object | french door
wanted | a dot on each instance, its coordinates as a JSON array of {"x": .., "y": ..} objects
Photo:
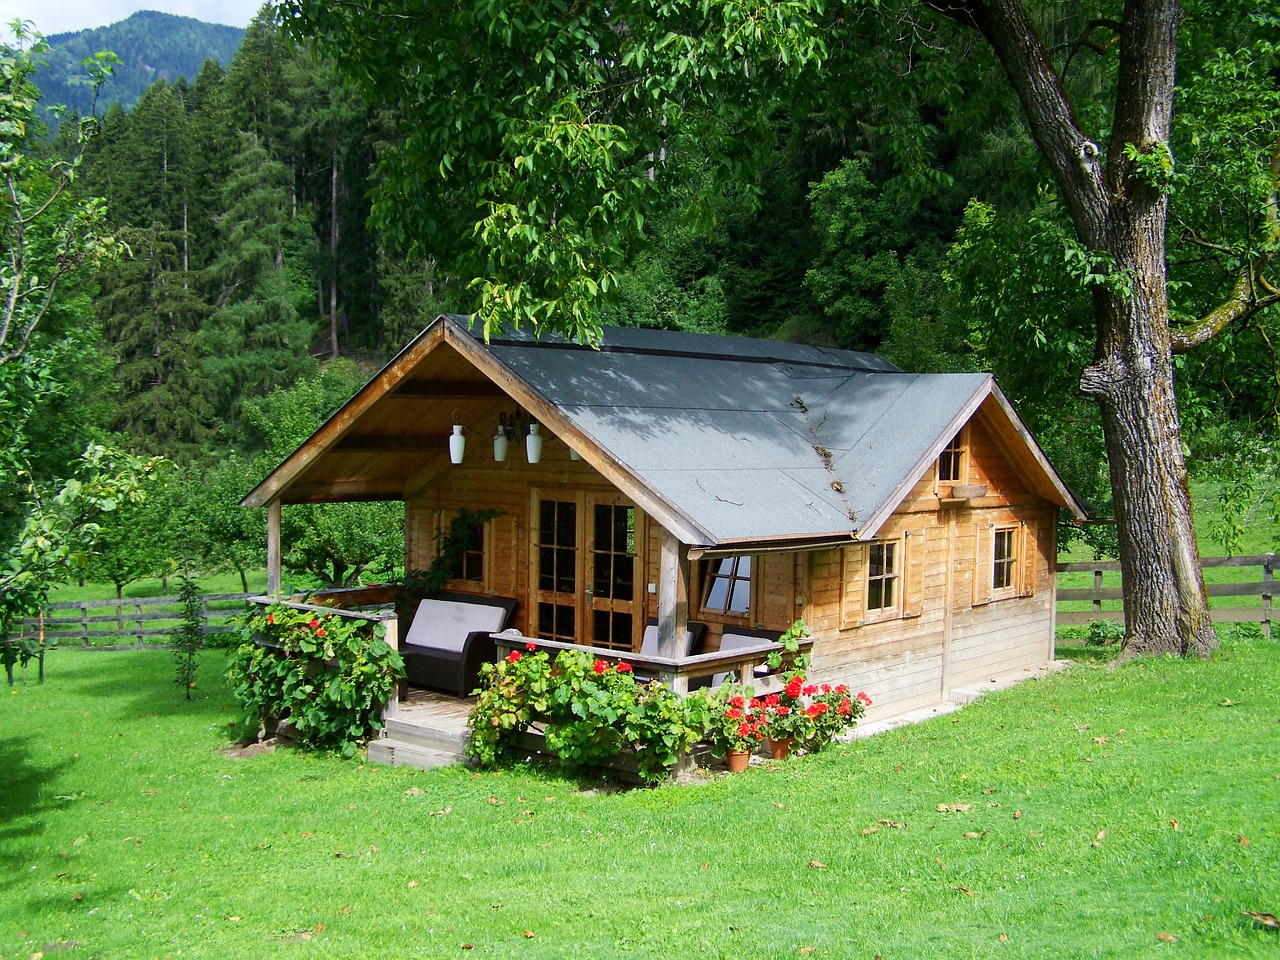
[{"x": 585, "y": 587}]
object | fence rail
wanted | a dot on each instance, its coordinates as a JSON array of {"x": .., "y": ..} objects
[
  {"x": 108, "y": 624},
  {"x": 1106, "y": 588}
]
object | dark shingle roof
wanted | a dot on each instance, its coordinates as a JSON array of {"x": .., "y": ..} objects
[{"x": 749, "y": 438}]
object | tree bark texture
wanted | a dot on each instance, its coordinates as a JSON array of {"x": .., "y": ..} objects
[{"x": 1122, "y": 219}]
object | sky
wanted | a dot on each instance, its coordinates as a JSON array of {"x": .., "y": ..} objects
[{"x": 63, "y": 16}]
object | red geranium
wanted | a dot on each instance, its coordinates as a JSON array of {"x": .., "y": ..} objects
[
  {"x": 513, "y": 656},
  {"x": 313, "y": 624},
  {"x": 810, "y": 690},
  {"x": 624, "y": 667},
  {"x": 738, "y": 702},
  {"x": 865, "y": 699},
  {"x": 320, "y": 632},
  {"x": 271, "y": 618},
  {"x": 795, "y": 687},
  {"x": 531, "y": 646},
  {"x": 599, "y": 667}
]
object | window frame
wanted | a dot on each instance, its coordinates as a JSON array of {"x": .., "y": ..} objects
[
  {"x": 710, "y": 573},
  {"x": 958, "y": 447},
  {"x": 893, "y": 578},
  {"x": 1010, "y": 564}
]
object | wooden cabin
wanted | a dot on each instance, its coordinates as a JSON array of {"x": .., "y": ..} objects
[{"x": 909, "y": 519}]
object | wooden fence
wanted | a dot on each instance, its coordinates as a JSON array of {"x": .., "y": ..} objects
[
  {"x": 1222, "y": 580},
  {"x": 145, "y": 621}
]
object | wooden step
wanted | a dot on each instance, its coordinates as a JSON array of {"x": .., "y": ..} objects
[
  {"x": 397, "y": 753},
  {"x": 439, "y": 738}
]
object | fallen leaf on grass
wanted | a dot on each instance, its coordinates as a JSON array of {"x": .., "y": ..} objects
[
  {"x": 965, "y": 890},
  {"x": 1228, "y": 703},
  {"x": 1166, "y": 937},
  {"x": 1242, "y": 840},
  {"x": 1173, "y": 822},
  {"x": 413, "y": 792},
  {"x": 1003, "y": 938},
  {"x": 495, "y": 802},
  {"x": 805, "y": 951},
  {"x": 973, "y": 835},
  {"x": 891, "y": 823},
  {"x": 1267, "y": 920},
  {"x": 468, "y": 946},
  {"x": 442, "y": 812},
  {"x": 817, "y": 865},
  {"x": 1017, "y": 814},
  {"x": 412, "y": 884},
  {"x": 867, "y": 831},
  {"x": 529, "y": 934},
  {"x": 953, "y": 807},
  {"x": 233, "y": 919}
]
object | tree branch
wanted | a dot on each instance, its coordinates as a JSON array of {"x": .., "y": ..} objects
[{"x": 1244, "y": 301}]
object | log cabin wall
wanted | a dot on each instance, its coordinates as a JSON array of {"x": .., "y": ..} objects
[
  {"x": 438, "y": 492},
  {"x": 951, "y": 626}
]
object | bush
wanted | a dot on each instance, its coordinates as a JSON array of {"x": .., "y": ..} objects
[
  {"x": 328, "y": 675},
  {"x": 593, "y": 712},
  {"x": 1104, "y": 633}
]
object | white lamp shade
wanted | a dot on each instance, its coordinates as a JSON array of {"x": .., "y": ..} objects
[
  {"x": 500, "y": 446},
  {"x": 533, "y": 444},
  {"x": 457, "y": 444}
]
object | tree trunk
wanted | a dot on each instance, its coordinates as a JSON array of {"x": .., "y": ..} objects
[
  {"x": 333, "y": 253},
  {"x": 1122, "y": 221}
]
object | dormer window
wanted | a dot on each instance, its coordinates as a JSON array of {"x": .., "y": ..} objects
[{"x": 951, "y": 465}]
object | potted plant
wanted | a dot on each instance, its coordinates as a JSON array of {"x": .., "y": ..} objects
[
  {"x": 831, "y": 711},
  {"x": 736, "y": 725},
  {"x": 786, "y": 721}
]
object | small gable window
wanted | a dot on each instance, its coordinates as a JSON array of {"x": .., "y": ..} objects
[
  {"x": 727, "y": 586},
  {"x": 882, "y": 576},
  {"x": 951, "y": 461}
]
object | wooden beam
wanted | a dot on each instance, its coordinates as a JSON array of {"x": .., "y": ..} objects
[
  {"x": 673, "y": 599},
  {"x": 344, "y": 491},
  {"x": 447, "y": 390},
  {"x": 273, "y": 548},
  {"x": 394, "y": 443}
]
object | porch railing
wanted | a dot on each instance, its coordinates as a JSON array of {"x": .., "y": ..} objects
[{"x": 675, "y": 672}]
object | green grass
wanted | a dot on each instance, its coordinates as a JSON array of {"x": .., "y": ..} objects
[{"x": 126, "y": 832}]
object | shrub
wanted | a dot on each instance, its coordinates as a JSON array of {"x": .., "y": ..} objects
[
  {"x": 1104, "y": 633},
  {"x": 326, "y": 674},
  {"x": 593, "y": 712},
  {"x": 188, "y": 638}
]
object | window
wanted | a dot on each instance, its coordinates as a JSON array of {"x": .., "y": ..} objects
[
  {"x": 882, "y": 576},
  {"x": 951, "y": 461},
  {"x": 727, "y": 588},
  {"x": 1006, "y": 559},
  {"x": 469, "y": 563}
]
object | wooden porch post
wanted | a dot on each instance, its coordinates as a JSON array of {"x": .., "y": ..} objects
[
  {"x": 273, "y": 548},
  {"x": 673, "y": 600}
]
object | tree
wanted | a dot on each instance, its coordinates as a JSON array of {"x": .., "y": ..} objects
[
  {"x": 336, "y": 543},
  {"x": 47, "y": 235},
  {"x": 562, "y": 107}
]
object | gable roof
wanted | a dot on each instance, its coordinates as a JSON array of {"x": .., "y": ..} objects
[{"x": 727, "y": 442}]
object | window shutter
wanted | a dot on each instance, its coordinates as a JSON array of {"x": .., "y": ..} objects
[
  {"x": 984, "y": 535},
  {"x": 854, "y": 589},
  {"x": 1027, "y": 559},
  {"x": 913, "y": 566}
]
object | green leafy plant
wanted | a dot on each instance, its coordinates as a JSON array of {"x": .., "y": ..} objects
[
  {"x": 737, "y": 720},
  {"x": 1104, "y": 633},
  {"x": 593, "y": 712},
  {"x": 188, "y": 638},
  {"x": 328, "y": 675}
]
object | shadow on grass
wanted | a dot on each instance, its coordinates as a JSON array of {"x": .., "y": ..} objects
[
  {"x": 24, "y": 798},
  {"x": 141, "y": 684},
  {"x": 1086, "y": 653}
]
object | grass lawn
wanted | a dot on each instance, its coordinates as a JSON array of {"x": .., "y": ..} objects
[{"x": 1097, "y": 813}]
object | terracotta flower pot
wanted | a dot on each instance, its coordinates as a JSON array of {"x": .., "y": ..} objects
[
  {"x": 781, "y": 749},
  {"x": 738, "y": 760}
]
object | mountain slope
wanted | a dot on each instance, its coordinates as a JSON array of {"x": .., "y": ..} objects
[{"x": 151, "y": 46}]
